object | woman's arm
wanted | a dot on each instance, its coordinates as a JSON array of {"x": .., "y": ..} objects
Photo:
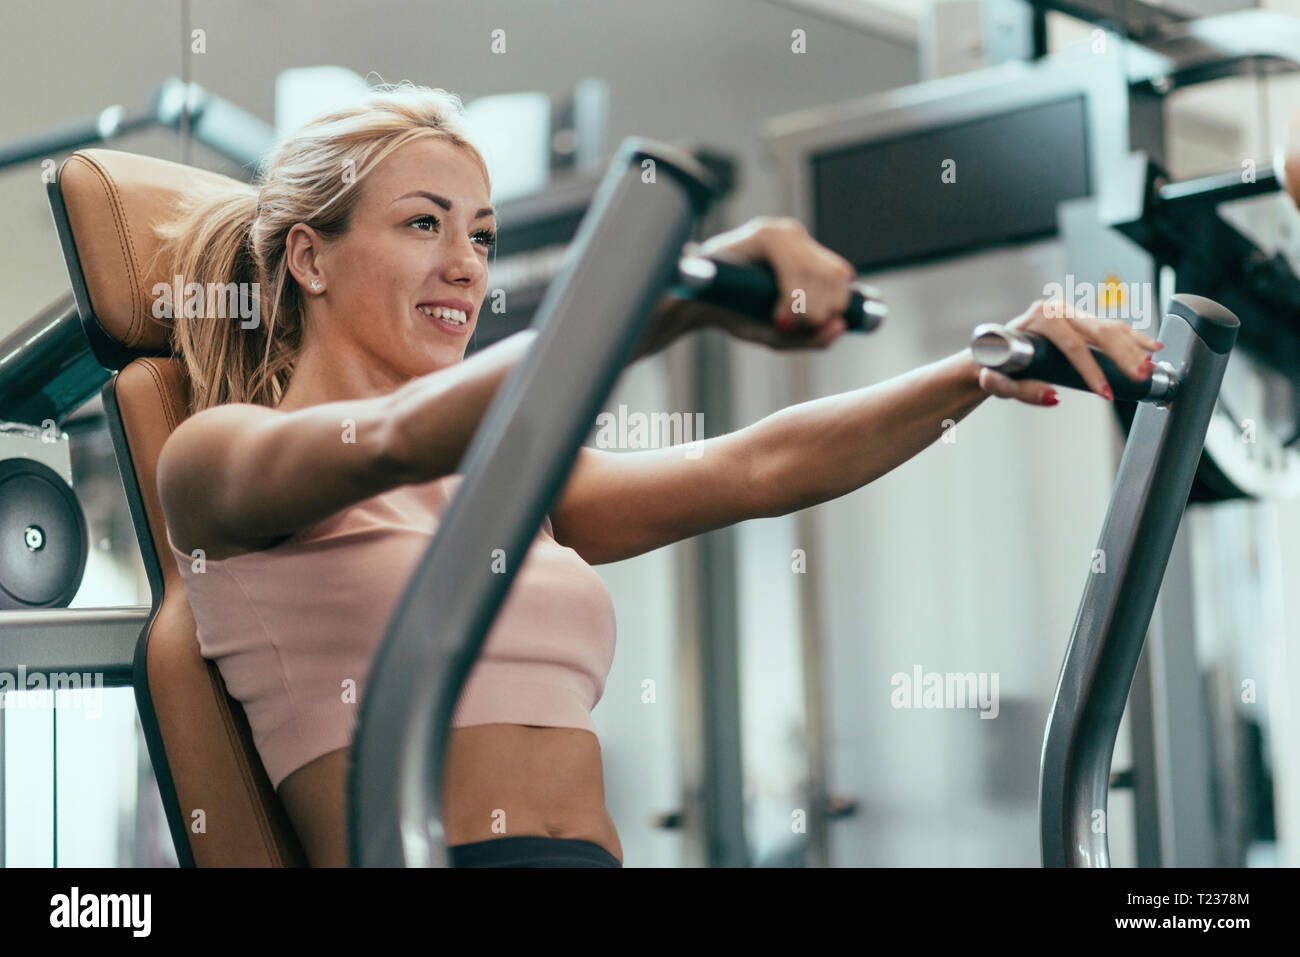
[
  {"x": 824, "y": 448},
  {"x": 617, "y": 505},
  {"x": 247, "y": 476}
]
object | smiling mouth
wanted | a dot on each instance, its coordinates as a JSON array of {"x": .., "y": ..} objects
[{"x": 454, "y": 316}]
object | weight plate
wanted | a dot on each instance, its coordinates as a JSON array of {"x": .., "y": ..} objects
[{"x": 43, "y": 537}]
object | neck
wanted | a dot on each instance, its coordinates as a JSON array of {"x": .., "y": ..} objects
[{"x": 335, "y": 372}]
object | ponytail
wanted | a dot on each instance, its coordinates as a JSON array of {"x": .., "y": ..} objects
[{"x": 228, "y": 356}]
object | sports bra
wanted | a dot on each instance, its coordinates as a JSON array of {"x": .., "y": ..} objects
[{"x": 293, "y": 628}]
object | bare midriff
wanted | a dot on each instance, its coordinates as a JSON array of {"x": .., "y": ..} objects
[{"x": 502, "y": 780}]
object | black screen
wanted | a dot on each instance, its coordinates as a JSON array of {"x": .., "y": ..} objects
[{"x": 886, "y": 203}]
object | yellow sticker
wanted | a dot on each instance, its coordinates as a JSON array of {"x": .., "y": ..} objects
[{"x": 1112, "y": 293}]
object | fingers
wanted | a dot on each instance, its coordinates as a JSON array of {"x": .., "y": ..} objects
[
  {"x": 811, "y": 337},
  {"x": 814, "y": 283},
  {"x": 1031, "y": 391},
  {"x": 1126, "y": 347},
  {"x": 1145, "y": 341},
  {"x": 1076, "y": 333}
]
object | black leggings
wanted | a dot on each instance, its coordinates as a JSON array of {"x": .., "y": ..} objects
[{"x": 531, "y": 851}]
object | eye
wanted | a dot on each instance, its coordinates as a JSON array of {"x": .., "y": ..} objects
[{"x": 487, "y": 237}]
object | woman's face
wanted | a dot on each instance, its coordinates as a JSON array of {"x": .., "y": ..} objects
[{"x": 406, "y": 281}]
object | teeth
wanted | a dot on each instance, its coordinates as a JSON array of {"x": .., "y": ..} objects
[{"x": 442, "y": 312}]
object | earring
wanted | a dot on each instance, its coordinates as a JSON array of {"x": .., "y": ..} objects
[{"x": 315, "y": 283}]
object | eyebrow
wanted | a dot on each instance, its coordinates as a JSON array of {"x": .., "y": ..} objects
[{"x": 445, "y": 203}]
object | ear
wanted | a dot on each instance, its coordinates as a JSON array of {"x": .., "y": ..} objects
[{"x": 303, "y": 247}]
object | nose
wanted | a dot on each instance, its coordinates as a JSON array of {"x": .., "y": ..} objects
[{"x": 462, "y": 262}]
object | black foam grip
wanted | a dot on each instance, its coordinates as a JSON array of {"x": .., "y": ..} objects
[
  {"x": 1049, "y": 364},
  {"x": 751, "y": 288}
]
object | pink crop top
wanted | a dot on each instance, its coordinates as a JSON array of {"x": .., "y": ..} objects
[{"x": 293, "y": 629}]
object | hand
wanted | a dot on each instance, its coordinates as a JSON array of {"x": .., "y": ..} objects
[
  {"x": 1073, "y": 332},
  {"x": 813, "y": 283}
]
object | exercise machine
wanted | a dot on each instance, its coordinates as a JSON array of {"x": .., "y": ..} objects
[
  {"x": 450, "y": 603},
  {"x": 1151, "y": 490}
]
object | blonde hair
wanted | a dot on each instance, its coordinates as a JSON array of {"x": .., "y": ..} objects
[{"x": 239, "y": 235}]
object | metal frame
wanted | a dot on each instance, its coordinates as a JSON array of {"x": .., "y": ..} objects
[
  {"x": 180, "y": 105},
  {"x": 720, "y": 804},
  {"x": 1146, "y": 508},
  {"x": 50, "y": 640}
]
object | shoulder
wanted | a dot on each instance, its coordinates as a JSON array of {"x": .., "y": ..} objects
[
  {"x": 193, "y": 462},
  {"x": 210, "y": 431}
]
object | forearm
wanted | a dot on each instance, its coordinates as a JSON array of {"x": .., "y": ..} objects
[
  {"x": 432, "y": 419},
  {"x": 819, "y": 450}
]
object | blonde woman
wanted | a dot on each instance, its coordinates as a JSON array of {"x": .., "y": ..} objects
[{"x": 321, "y": 448}]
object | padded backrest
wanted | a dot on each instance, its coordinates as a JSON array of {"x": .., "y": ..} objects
[{"x": 220, "y": 804}]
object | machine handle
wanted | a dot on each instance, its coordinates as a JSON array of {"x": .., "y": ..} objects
[
  {"x": 1029, "y": 355},
  {"x": 751, "y": 288}
]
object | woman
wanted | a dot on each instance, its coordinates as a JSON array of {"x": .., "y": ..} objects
[{"x": 322, "y": 446}]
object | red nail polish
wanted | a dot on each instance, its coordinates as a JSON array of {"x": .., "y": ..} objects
[
  {"x": 1106, "y": 393},
  {"x": 1049, "y": 397}
]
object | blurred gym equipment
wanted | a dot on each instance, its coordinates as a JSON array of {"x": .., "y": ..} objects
[{"x": 1063, "y": 156}]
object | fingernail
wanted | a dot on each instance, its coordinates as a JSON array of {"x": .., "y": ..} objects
[
  {"x": 783, "y": 322},
  {"x": 1106, "y": 393},
  {"x": 1049, "y": 397},
  {"x": 1147, "y": 367}
]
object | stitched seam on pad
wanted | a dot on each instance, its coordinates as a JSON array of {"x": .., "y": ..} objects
[
  {"x": 136, "y": 304},
  {"x": 118, "y": 224},
  {"x": 245, "y": 768},
  {"x": 156, "y": 375}
]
